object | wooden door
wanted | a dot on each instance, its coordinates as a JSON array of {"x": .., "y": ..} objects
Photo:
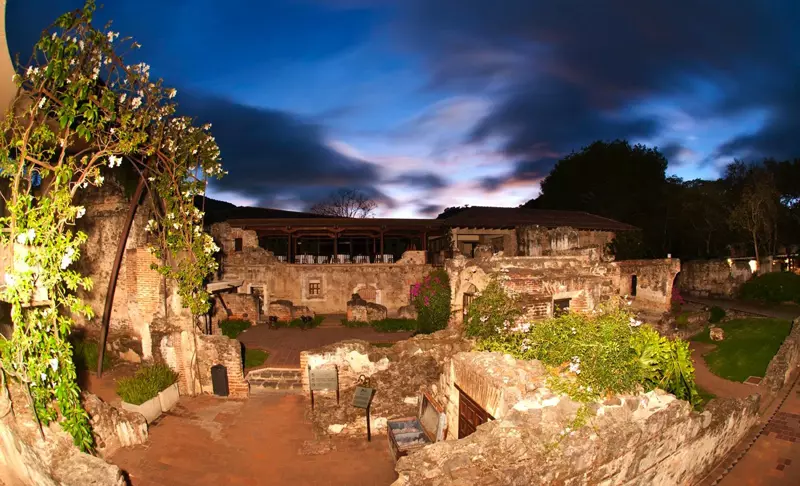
[{"x": 470, "y": 415}]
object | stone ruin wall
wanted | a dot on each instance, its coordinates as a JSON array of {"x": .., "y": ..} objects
[
  {"x": 540, "y": 241},
  {"x": 654, "y": 281},
  {"x": 145, "y": 308},
  {"x": 399, "y": 374},
  {"x": 584, "y": 276},
  {"x": 713, "y": 278},
  {"x": 650, "y": 438},
  {"x": 785, "y": 363},
  {"x": 385, "y": 284}
]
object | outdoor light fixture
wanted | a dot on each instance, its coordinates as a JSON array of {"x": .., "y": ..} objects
[
  {"x": 753, "y": 265},
  {"x": 730, "y": 262}
]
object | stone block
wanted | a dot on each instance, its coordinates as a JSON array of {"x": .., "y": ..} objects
[
  {"x": 282, "y": 309},
  {"x": 113, "y": 428},
  {"x": 407, "y": 312},
  {"x": 716, "y": 334},
  {"x": 359, "y": 310},
  {"x": 299, "y": 311}
]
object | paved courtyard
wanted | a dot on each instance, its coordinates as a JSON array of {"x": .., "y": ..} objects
[
  {"x": 265, "y": 440},
  {"x": 284, "y": 345}
]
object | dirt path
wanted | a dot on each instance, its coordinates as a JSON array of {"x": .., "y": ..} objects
[{"x": 713, "y": 383}]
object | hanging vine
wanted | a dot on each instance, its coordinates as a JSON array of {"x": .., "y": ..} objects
[{"x": 80, "y": 113}]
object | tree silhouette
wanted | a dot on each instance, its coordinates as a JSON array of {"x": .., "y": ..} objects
[{"x": 346, "y": 203}]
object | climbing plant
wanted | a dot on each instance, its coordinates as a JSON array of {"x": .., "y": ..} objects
[{"x": 81, "y": 112}]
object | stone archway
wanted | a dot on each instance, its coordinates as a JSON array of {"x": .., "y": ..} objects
[{"x": 368, "y": 292}]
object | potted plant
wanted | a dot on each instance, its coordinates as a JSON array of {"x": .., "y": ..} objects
[{"x": 142, "y": 393}]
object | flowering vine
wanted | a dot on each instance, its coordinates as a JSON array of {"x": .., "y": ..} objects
[{"x": 80, "y": 114}]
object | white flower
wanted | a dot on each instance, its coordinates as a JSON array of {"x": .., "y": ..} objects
[
  {"x": 81, "y": 44},
  {"x": 172, "y": 93},
  {"x": 574, "y": 331},
  {"x": 151, "y": 178},
  {"x": 575, "y": 365},
  {"x": 21, "y": 238},
  {"x": 123, "y": 97},
  {"x": 80, "y": 213},
  {"x": 42, "y": 102},
  {"x": 635, "y": 323},
  {"x": 31, "y": 234},
  {"x": 10, "y": 279},
  {"x": 484, "y": 318},
  {"x": 44, "y": 376},
  {"x": 53, "y": 36},
  {"x": 176, "y": 225},
  {"x": 66, "y": 260},
  {"x": 54, "y": 364},
  {"x": 114, "y": 161},
  {"x": 99, "y": 180},
  {"x": 136, "y": 103},
  {"x": 111, "y": 36}
]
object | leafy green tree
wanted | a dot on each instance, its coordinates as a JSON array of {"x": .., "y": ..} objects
[{"x": 612, "y": 179}]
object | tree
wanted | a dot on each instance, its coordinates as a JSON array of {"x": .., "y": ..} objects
[
  {"x": 615, "y": 180},
  {"x": 346, "y": 203},
  {"x": 757, "y": 209},
  {"x": 451, "y": 211},
  {"x": 79, "y": 114}
]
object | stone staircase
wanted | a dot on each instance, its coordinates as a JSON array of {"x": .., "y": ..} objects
[
  {"x": 332, "y": 321},
  {"x": 280, "y": 380}
]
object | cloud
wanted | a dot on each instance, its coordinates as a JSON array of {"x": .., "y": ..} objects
[
  {"x": 420, "y": 180},
  {"x": 277, "y": 158},
  {"x": 564, "y": 74}
]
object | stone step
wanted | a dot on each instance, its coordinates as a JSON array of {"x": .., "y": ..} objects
[{"x": 275, "y": 380}]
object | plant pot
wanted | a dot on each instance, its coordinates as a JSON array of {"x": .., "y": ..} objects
[
  {"x": 150, "y": 409},
  {"x": 168, "y": 397}
]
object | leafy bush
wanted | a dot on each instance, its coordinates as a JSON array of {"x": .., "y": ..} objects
[
  {"x": 716, "y": 314},
  {"x": 85, "y": 355},
  {"x": 773, "y": 287},
  {"x": 146, "y": 383},
  {"x": 682, "y": 320},
  {"x": 298, "y": 323},
  {"x": 607, "y": 353},
  {"x": 233, "y": 327},
  {"x": 385, "y": 325},
  {"x": 431, "y": 298},
  {"x": 492, "y": 312},
  {"x": 395, "y": 325},
  {"x": 254, "y": 357}
]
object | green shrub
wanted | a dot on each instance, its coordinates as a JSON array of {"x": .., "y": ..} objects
[
  {"x": 352, "y": 324},
  {"x": 233, "y": 327},
  {"x": 492, "y": 312},
  {"x": 146, "y": 383},
  {"x": 682, "y": 320},
  {"x": 298, "y": 323},
  {"x": 85, "y": 355},
  {"x": 773, "y": 288},
  {"x": 254, "y": 357},
  {"x": 394, "y": 325},
  {"x": 431, "y": 298},
  {"x": 716, "y": 315},
  {"x": 607, "y": 353},
  {"x": 385, "y": 325}
]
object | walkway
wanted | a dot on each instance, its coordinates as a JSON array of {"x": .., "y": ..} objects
[
  {"x": 284, "y": 345},
  {"x": 265, "y": 440},
  {"x": 774, "y": 458},
  {"x": 712, "y": 383},
  {"x": 778, "y": 311}
]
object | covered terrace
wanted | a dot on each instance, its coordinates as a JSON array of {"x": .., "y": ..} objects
[{"x": 342, "y": 240}]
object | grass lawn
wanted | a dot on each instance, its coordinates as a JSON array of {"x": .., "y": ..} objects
[
  {"x": 254, "y": 357},
  {"x": 747, "y": 349}
]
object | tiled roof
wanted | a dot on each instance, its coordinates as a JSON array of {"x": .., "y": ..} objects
[{"x": 496, "y": 217}]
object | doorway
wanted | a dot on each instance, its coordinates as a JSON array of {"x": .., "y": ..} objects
[{"x": 470, "y": 414}]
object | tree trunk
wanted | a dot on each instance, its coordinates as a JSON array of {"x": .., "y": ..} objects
[
  {"x": 112, "y": 281},
  {"x": 755, "y": 247}
]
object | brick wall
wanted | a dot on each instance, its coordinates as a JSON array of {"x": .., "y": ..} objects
[
  {"x": 214, "y": 350},
  {"x": 241, "y": 306}
]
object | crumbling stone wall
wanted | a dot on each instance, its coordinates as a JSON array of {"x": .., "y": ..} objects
[
  {"x": 113, "y": 428},
  {"x": 27, "y": 459},
  {"x": 230, "y": 305},
  {"x": 398, "y": 373},
  {"x": 540, "y": 241},
  {"x": 385, "y": 284},
  {"x": 650, "y": 438},
  {"x": 713, "y": 278},
  {"x": 786, "y": 361},
  {"x": 654, "y": 281}
]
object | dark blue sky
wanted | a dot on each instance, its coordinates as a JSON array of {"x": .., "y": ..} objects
[{"x": 432, "y": 103}]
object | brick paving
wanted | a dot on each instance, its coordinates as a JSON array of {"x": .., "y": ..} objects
[
  {"x": 265, "y": 440},
  {"x": 284, "y": 345}
]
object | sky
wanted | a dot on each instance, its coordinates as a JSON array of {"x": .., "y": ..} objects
[{"x": 425, "y": 104}]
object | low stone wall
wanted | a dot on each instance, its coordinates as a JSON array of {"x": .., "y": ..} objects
[
  {"x": 28, "y": 460},
  {"x": 651, "y": 438},
  {"x": 785, "y": 362},
  {"x": 398, "y": 373},
  {"x": 713, "y": 278},
  {"x": 654, "y": 280},
  {"x": 113, "y": 428}
]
